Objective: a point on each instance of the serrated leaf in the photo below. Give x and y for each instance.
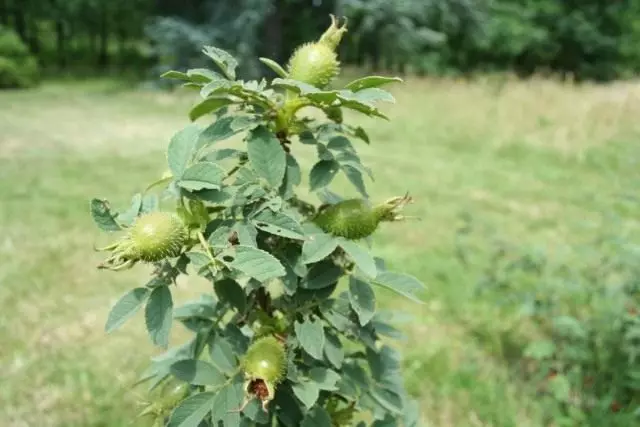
(296, 86)
(102, 215)
(355, 177)
(228, 290)
(362, 300)
(317, 247)
(337, 313)
(175, 75)
(181, 149)
(325, 379)
(275, 67)
(374, 94)
(208, 106)
(267, 156)
(279, 224)
(411, 416)
(226, 405)
(125, 308)
(360, 256)
(349, 100)
(401, 283)
(308, 393)
(150, 203)
(322, 174)
(255, 413)
(317, 417)
(202, 176)
(158, 315)
(197, 372)
(192, 411)
(203, 75)
(128, 217)
(362, 134)
(370, 81)
(333, 350)
(292, 178)
(222, 59)
(387, 421)
(216, 88)
(222, 354)
(219, 130)
(310, 334)
(321, 275)
(387, 399)
(247, 233)
(341, 144)
(205, 308)
(253, 262)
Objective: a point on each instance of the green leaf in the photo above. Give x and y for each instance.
(341, 144)
(338, 313)
(158, 315)
(219, 130)
(362, 299)
(222, 354)
(247, 233)
(208, 106)
(203, 75)
(102, 215)
(202, 176)
(125, 308)
(181, 149)
(279, 224)
(387, 399)
(362, 134)
(360, 256)
(292, 178)
(317, 417)
(275, 67)
(128, 217)
(333, 350)
(308, 393)
(222, 59)
(310, 334)
(374, 94)
(401, 283)
(228, 290)
(267, 156)
(216, 87)
(355, 177)
(192, 411)
(317, 247)
(254, 412)
(411, 416)
(370, 81)
(322, 174)
(175, 75)
(226, 405)
(560, 387)
(296, 86)
(204, 308)
(253, 262)
(349, 100)
(197, 372)
(388, 421)
(321, 275)
(326, 379)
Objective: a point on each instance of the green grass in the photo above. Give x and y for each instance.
(535, 163)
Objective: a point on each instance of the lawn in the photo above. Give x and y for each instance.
(536, 163)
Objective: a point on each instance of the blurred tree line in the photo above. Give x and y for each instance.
(593, 39)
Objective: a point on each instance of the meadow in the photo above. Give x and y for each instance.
(537, 164)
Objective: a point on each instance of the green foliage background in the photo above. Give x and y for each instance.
(583, 39)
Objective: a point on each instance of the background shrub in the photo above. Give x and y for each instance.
(18, 68)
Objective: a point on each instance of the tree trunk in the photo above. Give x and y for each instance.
(20, 23)
(34, 40)
(103, 54)
(4, 12)
(61, 43)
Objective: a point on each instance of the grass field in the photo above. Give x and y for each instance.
(538, 163)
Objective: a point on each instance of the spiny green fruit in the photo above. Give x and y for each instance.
(264, 367)
(153, 237)
(356, 219)
(317, 63)
(157, 235)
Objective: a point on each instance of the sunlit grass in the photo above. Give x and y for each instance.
(534, 162)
